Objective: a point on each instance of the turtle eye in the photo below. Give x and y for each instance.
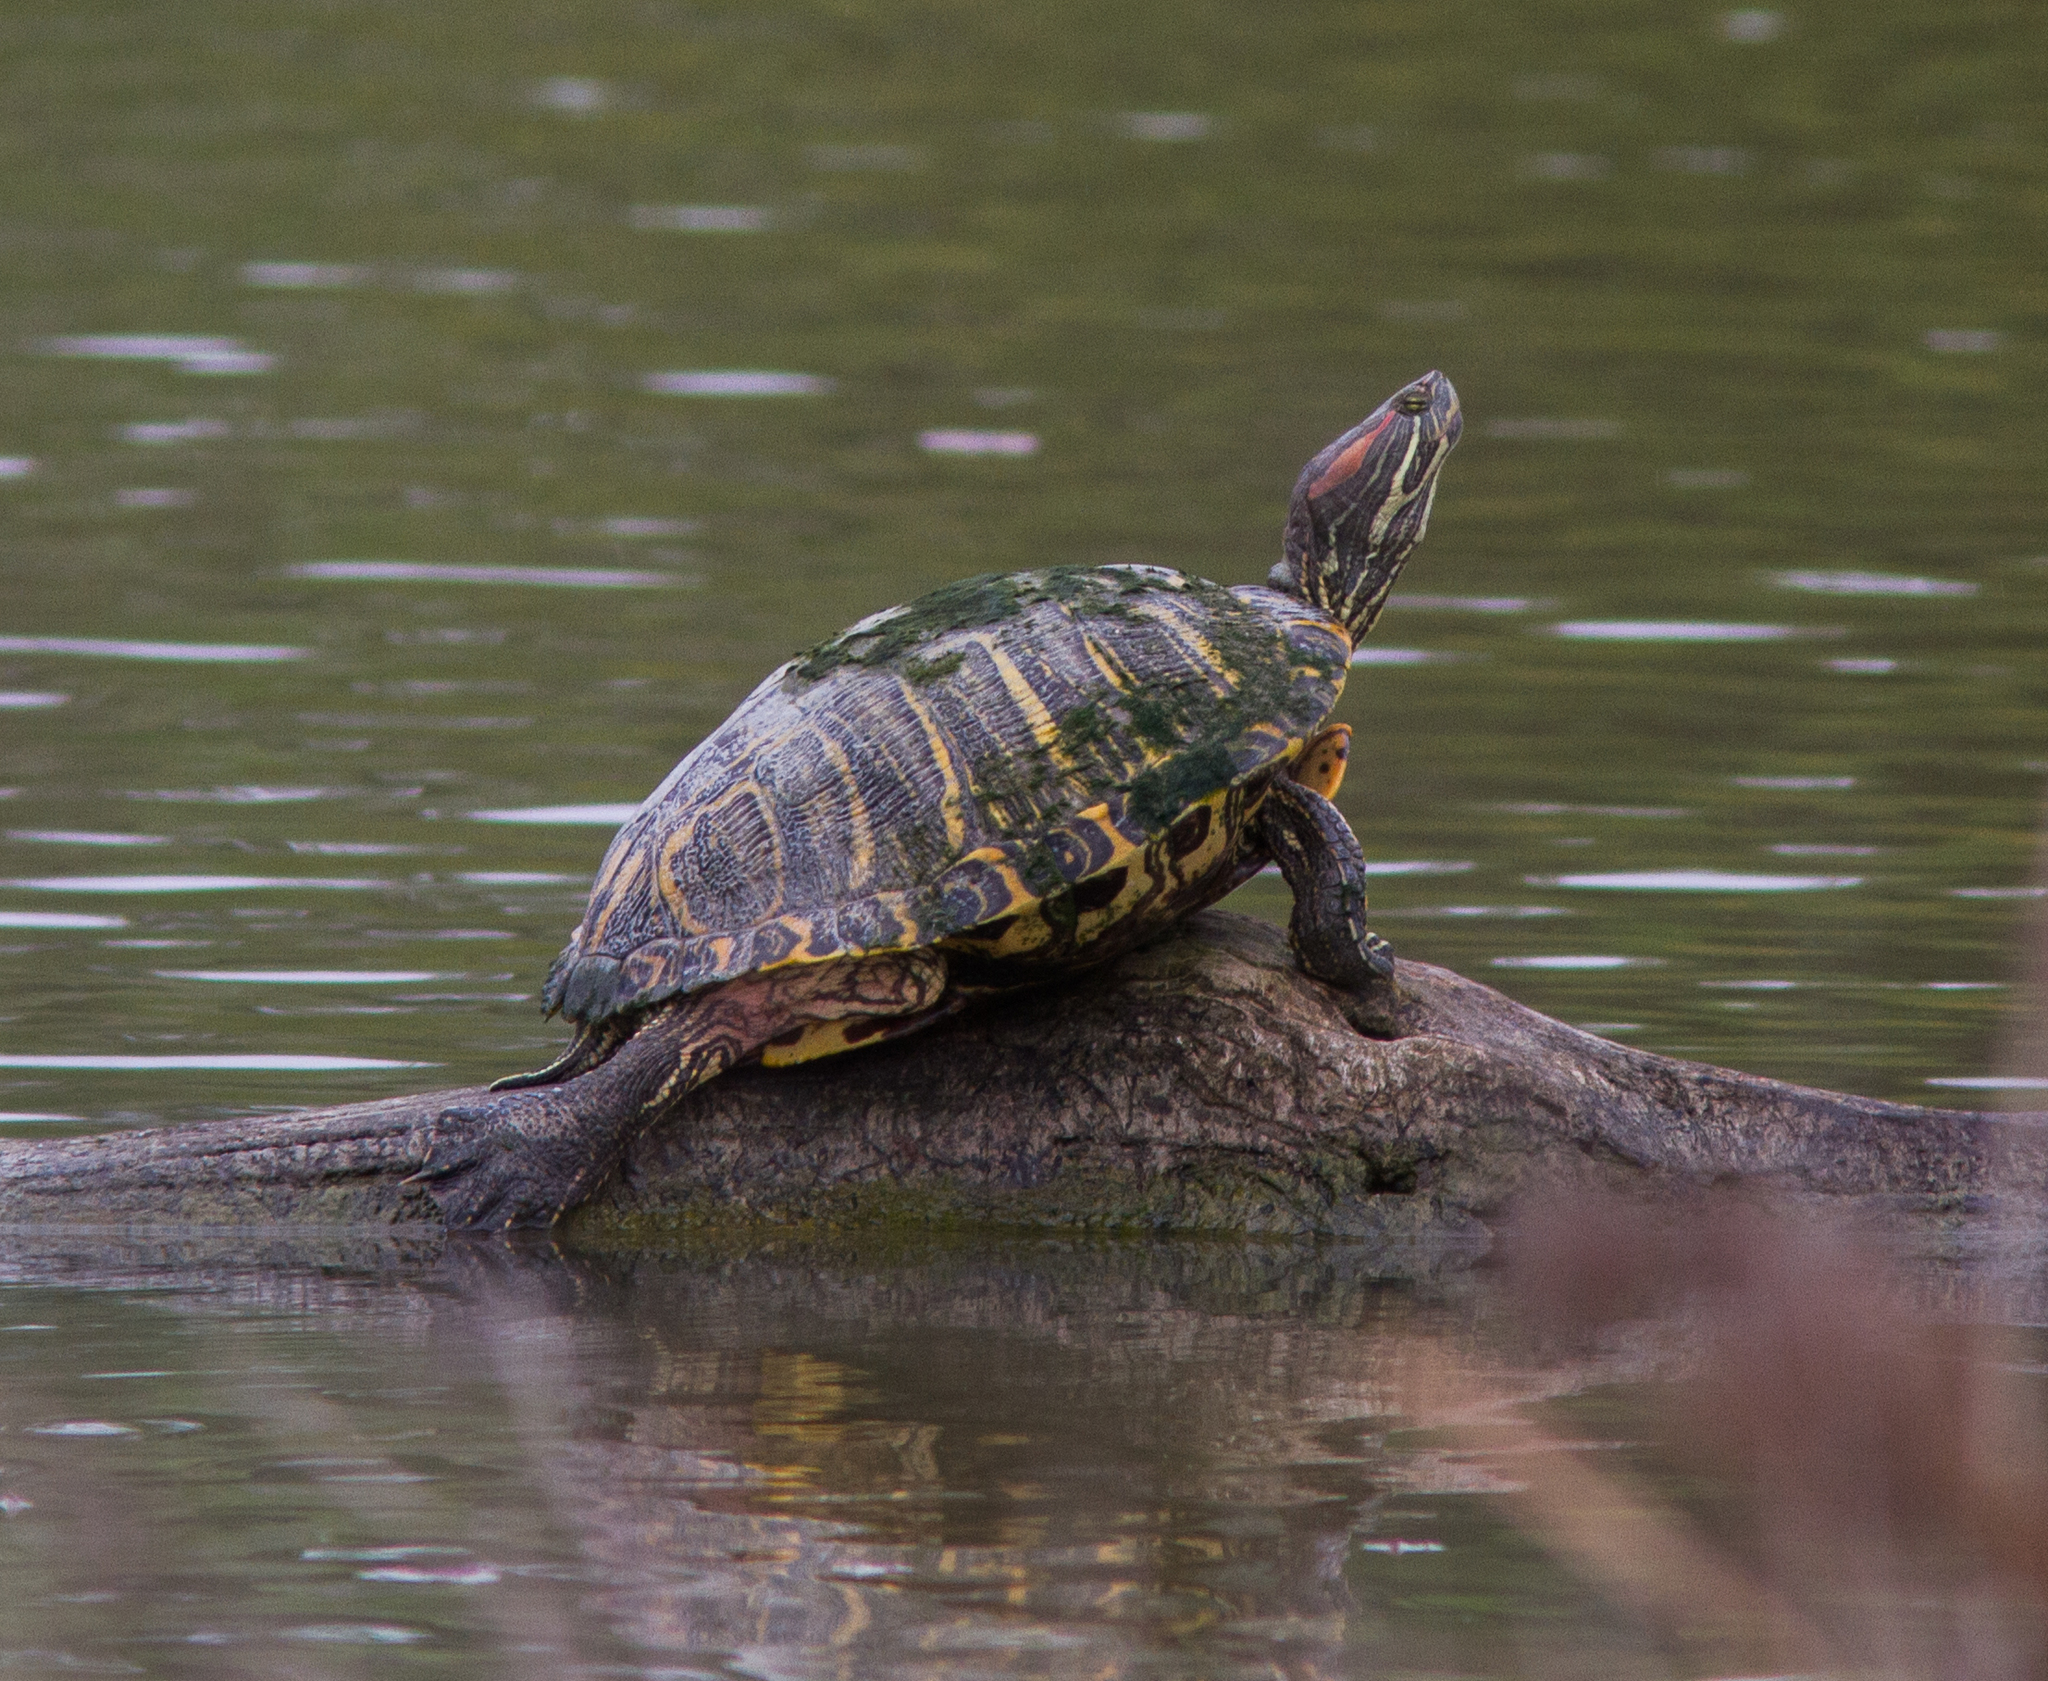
(1413, 401)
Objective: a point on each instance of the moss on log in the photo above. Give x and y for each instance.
(1202, 1084)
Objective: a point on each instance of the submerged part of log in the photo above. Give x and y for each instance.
(1202, 1084)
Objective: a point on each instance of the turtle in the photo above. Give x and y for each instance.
(1007, 780)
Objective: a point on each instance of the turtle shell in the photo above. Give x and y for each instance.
(946, 765)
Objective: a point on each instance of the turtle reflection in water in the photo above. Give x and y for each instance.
(1007, 779)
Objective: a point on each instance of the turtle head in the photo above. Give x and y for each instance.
(1363, 503)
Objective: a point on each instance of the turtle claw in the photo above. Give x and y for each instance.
(1378, 955)
(485, 1172)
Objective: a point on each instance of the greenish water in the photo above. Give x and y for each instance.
(1176, 1461)
(1724, 312)
(1747, 313)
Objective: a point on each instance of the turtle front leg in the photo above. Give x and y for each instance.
(527, 1156)
(1325, 868)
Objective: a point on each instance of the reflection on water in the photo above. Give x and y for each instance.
(604, 816)
(190, 353)
(184, 884)
(1696, 881)
(181, 652)
(736, 382)
(1667, 630)
(310, 977)
(548, 577)
(1873, 583)
(1048, 1460)
(267, 1062)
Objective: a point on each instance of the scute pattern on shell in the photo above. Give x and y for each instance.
(945, 764)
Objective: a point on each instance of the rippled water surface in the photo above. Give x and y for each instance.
(1039, 1460)
(424, 422)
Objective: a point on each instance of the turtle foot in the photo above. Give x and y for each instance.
(1353, 967)
(507, 1166)
(1378, 956)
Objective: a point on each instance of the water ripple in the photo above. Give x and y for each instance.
(954, 441)
(1669, 630)
(192, 352)
(424, 572)
(310, 977)
(1462, 603)
(1996, 1082)
(185, 884)
(1870, 583)
(1572, 962)
(699, 218)
(609, 816)
(1695, 881)
(735, 382)
(233, 1062)
(1396, 656)
(84, 837)
(242, 794)
(226, 653)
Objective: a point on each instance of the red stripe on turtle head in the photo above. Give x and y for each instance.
(1350, 461)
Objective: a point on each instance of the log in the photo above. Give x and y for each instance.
(1202, 1084)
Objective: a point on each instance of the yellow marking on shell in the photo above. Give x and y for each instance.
(1204, 654)
(860, 842)
(1029, 932)
(1152, 870)
(609, 871)
(611, 894)
(998, 859)
(1044, 730)
(671, 888)
(951, 803)
(1218, 841)
(1115, 672)
(1097, 817)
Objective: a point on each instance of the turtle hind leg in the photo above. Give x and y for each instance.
(527, 1156)
(594, 1042)
(1325, 867)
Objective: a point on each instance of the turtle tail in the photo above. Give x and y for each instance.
(594, 1043)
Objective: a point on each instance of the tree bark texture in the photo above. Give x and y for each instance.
(1202, 1084)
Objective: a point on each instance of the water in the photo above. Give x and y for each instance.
(421, 429)
(391, 458)
(1040, 1459)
